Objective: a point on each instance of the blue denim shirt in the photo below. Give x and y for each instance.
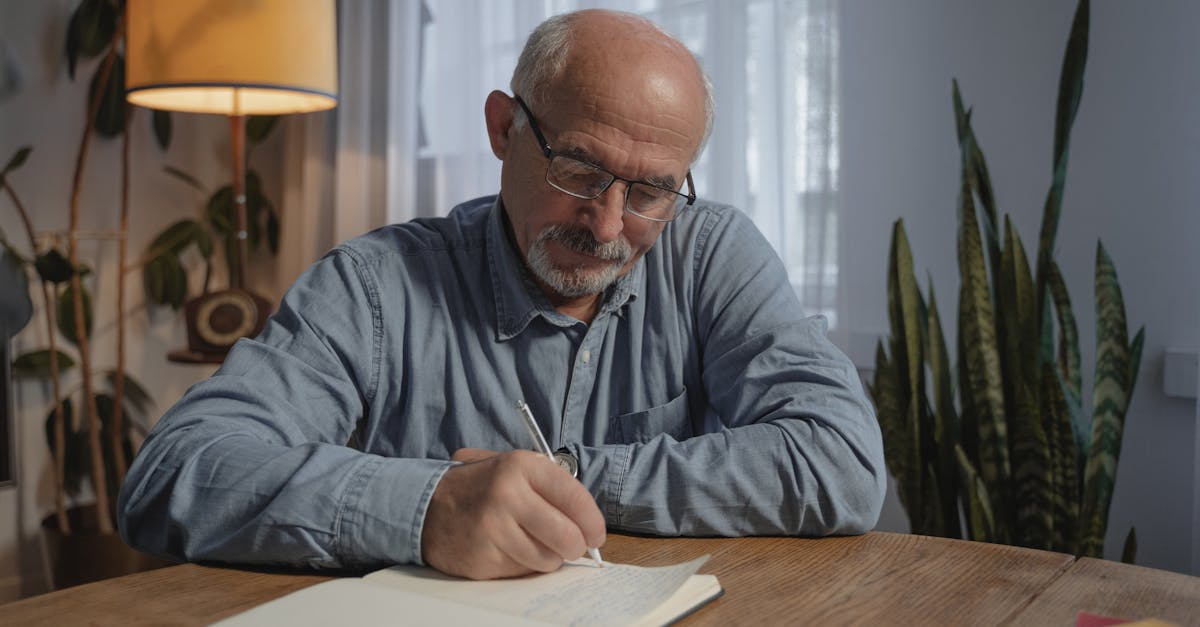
(698, 401)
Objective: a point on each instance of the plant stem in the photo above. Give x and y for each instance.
(60, 508)
(117, 431)
(99, 476)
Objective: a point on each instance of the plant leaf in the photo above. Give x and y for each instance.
(90, 30)
(185, 177)
(136, 397)
(1110, 399)
(258, 127)
(945, 424)
(76, 455)
(1129, 550)
(53, 267)
(977, 324)
(110, 117)
(16, 161)
(162, 128)
(37, 363)
(66, 313)
(175, 238)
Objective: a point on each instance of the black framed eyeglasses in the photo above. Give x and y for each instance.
(584, 180)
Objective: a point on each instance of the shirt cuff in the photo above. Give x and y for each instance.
(383, 510)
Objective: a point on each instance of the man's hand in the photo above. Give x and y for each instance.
(507, 514)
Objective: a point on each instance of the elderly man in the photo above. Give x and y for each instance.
(654, 336)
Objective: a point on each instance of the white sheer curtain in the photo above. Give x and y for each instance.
(409, 137)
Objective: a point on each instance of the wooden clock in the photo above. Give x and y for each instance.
(217, 320)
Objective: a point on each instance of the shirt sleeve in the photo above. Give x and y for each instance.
(251, 465)
(794, 447)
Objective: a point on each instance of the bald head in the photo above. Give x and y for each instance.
(629, 56)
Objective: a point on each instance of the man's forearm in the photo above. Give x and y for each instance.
(796, 476)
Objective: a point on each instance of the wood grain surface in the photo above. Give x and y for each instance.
(878, 578)
(1118, 590)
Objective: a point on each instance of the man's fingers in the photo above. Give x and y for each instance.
(568, 497)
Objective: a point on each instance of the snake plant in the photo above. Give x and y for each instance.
(1002, 432)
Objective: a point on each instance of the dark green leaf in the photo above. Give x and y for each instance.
(53, 267)
(273, 233)
(162, 128)
(76, 455)
(136, 396)
(1110, 398)
(154, 279)
(17, 160)
(90, 30)
(175, 238)
(220, 210)
(37, 363)
(165, 281)
(66, 313)
(1129, 551)
(110, 117)
(204, 243)
(258, 127)
(185, 177)
(175, 286)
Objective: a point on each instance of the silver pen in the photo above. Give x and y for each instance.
(540, 445)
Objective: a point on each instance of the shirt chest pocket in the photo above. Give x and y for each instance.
(673, 419)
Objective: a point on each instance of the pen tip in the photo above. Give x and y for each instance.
(595, 555)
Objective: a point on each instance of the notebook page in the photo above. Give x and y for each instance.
(579, 593)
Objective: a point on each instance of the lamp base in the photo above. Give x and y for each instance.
(217, 320)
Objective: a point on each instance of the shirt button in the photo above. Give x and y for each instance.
(586, 356)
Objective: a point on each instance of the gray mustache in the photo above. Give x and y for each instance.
(581, 240)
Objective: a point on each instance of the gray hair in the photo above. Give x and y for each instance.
(544, 58)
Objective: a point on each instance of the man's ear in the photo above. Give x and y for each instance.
(498, 112)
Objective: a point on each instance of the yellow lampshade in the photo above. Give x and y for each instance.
(235, 57)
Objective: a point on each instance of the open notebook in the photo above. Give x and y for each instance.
(579, 593)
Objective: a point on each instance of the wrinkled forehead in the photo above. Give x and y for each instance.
(648, 91)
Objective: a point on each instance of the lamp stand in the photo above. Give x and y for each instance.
(216, 320)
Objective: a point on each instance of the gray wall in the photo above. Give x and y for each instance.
(1133, 182)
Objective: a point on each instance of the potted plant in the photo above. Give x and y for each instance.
(90, 425)
(1012, 443)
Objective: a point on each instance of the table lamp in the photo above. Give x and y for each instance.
(235, 58)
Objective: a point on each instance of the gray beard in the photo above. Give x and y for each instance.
(577, 281)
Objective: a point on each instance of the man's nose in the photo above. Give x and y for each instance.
(606, 213)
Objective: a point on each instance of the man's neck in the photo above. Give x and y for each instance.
(583, 308)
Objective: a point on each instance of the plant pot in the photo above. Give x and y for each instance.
(86, 555)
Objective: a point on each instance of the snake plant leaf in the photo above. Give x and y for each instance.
(1135, 357)
(887, 391)
(1068, 343)
(1110, 399)
(977, 321)
(1065, 460)
(945, 419)
(1070, 92)
(1017, 309)
(980, 521)
(1070, 85)
(1032, 468)
(1129, 550)
(980, 181)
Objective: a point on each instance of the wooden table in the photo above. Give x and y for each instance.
(879, 578)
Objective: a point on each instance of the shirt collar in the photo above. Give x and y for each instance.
(519, 299)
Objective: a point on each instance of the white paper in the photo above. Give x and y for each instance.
(579, 593)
